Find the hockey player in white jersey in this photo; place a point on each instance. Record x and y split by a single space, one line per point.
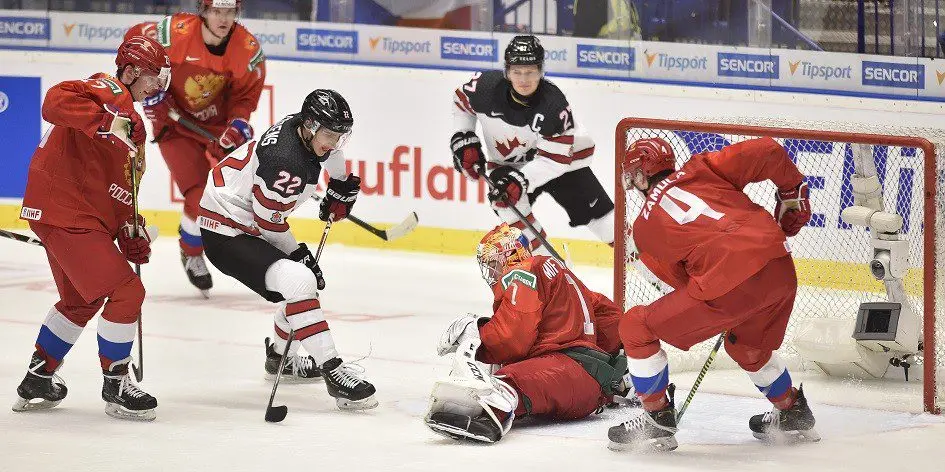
243 220
533 144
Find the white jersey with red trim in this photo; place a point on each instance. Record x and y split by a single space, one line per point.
255 189
539 138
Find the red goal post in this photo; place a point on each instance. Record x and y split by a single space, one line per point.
832 257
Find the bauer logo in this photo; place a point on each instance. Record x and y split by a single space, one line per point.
605 57
15 27
321 40
751 66
891 74
469 49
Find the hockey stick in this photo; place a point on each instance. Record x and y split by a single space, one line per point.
695 385
397 231
21 238
138 368
275 414
521 217
174 115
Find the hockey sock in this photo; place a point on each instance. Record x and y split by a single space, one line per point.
311 329
190 240
650 377
774 382
56 337
114 341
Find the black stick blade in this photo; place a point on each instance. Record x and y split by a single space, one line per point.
139 373
276 414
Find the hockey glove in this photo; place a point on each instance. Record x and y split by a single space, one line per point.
466 324
339 198
137 249
467 154
303 255
510 186
157 106
121 129
235 135
792 210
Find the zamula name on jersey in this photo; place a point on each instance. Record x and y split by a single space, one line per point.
658 192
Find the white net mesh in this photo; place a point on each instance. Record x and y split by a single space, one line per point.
832 257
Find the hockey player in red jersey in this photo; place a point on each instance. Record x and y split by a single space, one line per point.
554 341
218 75
731 265
78 201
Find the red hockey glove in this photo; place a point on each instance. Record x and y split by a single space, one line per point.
136 249
339 198
467 154
121 128
233 137
510 185
158 105
792 210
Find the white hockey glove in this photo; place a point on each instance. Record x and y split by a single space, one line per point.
450 339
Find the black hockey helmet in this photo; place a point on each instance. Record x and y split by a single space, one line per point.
525 50
327 108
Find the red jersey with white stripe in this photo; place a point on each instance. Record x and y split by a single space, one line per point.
539 138
255 189
541 306
76 179
698 229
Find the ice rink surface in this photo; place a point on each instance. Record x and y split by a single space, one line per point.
204 363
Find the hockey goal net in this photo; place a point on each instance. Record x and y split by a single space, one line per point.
831 256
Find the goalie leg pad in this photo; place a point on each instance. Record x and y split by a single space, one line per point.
472 408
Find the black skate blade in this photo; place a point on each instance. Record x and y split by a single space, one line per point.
276 414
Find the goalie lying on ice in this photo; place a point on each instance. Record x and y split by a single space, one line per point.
553 342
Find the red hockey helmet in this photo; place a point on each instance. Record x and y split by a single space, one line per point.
148 57
649 155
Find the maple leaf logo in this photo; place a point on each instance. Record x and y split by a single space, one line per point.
505 148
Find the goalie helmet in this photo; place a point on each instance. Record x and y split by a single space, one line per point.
649 156
524 51
499 249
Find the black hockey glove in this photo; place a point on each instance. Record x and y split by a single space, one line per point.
510 186
339 198
303 255
467 154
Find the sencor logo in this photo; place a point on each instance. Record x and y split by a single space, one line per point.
815 71
752 66
891 74
94 32
14 27
469 49
665 61
605 57
394 46
321 40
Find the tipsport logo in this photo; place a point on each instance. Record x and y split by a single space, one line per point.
661 60
21 27
469 49
749 66
399 47
94 33
819 72
323 40
605 57
891 74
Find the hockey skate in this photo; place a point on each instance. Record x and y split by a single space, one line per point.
786 426
651 430
345 384
298 369
123 399
197 272
48 388
459 427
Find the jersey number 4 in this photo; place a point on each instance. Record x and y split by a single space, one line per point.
697 206
232 162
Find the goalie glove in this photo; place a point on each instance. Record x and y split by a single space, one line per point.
792 210
464 325
467 154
